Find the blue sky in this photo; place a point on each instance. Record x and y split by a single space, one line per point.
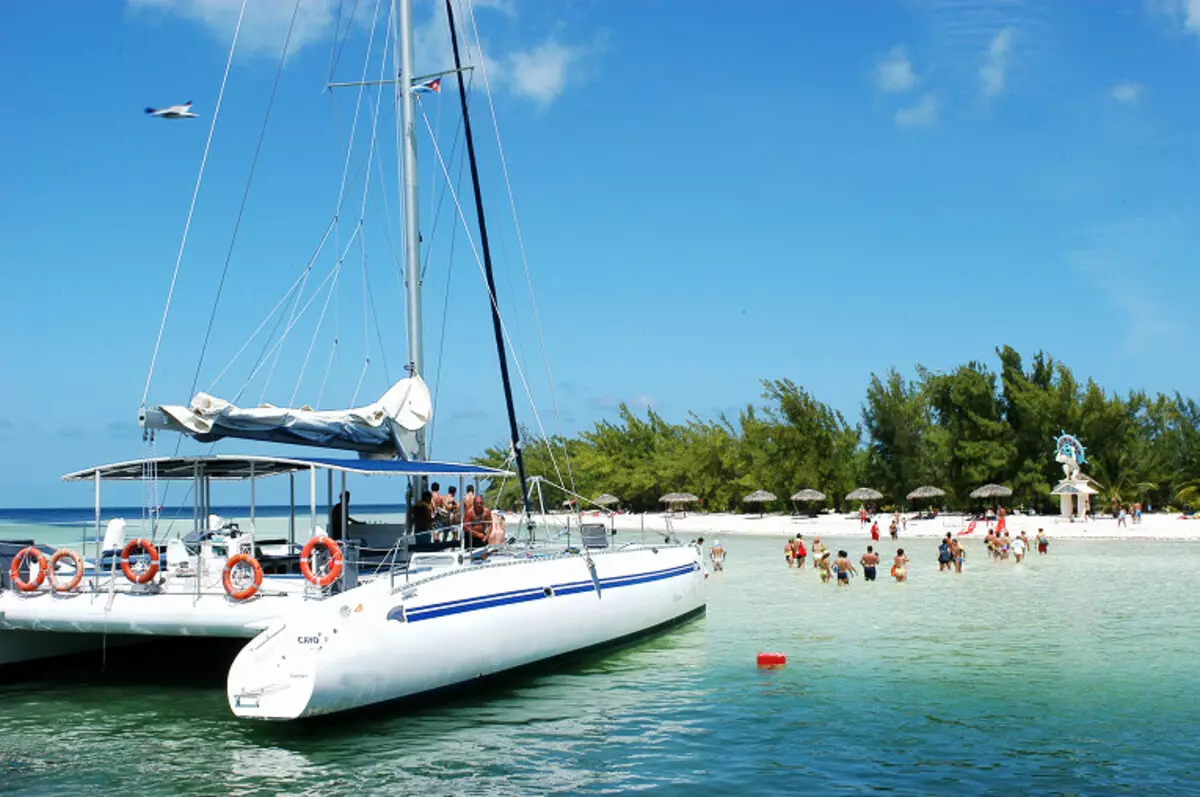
708 197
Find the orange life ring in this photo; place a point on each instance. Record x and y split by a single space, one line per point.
14 570
151 571
227 576
335 561
52 571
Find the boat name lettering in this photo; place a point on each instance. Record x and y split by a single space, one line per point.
308 640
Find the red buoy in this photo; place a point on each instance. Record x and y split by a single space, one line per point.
770 660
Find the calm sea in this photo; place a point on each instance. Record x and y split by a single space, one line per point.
1073 674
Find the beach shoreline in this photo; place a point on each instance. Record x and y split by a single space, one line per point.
708 525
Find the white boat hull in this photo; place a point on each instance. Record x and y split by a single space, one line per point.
377 643
17 647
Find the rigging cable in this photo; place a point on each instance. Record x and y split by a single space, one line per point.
342 188
245 196
503 327
521 244
192 208
437 380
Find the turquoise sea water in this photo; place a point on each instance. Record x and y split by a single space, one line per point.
1074 673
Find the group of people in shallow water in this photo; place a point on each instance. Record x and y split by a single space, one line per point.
951 555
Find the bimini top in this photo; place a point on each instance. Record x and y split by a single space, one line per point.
232 467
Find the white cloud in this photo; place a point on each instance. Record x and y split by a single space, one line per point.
264 25
923 114
1184 12
539 73
1191 16
645 401
995 69
894 72
542 72
1129 93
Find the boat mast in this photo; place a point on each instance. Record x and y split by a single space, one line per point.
412 227
487 266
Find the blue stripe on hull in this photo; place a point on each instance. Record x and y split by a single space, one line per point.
463 605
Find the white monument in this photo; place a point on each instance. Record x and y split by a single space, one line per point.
1074 491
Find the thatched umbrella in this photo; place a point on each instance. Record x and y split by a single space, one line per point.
759 497
864 494
992 491
809 495
607 500
996 491
677 499
928 491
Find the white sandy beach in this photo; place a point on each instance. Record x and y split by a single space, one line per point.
1152 527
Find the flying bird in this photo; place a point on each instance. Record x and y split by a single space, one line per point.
174 112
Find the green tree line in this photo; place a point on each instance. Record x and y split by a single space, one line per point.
955 430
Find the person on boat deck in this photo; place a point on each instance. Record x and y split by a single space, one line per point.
340 509
422 513
453 514
478 524
498 535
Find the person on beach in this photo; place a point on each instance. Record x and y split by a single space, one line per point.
717 555
862 516
799 551
869 561
1121 518
900 566
904 523
823 565
844 569
1042 542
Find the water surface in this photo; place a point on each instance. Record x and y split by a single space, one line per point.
1073 673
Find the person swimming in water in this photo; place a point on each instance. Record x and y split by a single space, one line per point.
900 566
844 569
818 550
1042 542
945 555
869 561
822 563
717 554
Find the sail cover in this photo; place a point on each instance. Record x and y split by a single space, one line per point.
386 427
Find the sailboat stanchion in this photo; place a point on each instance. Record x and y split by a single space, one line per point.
292 507
345 520
251 507
99 544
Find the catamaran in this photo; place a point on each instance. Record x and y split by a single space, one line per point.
374 614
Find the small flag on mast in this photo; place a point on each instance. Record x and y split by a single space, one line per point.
433 86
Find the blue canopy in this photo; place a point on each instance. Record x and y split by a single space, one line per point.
236 467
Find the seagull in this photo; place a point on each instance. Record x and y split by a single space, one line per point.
174 112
